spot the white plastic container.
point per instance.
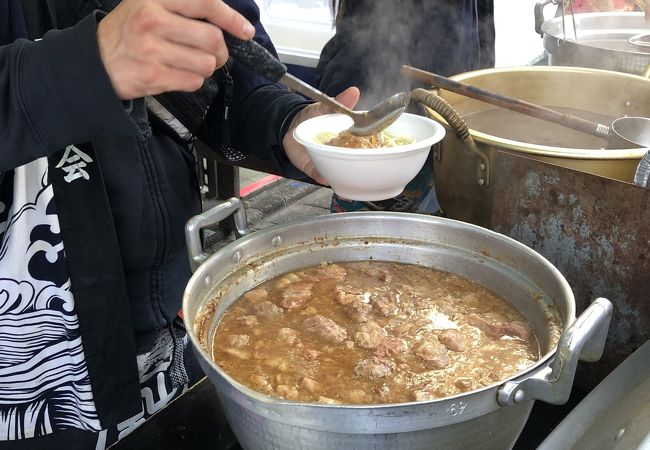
(369, 174)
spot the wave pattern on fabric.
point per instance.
(44, 381)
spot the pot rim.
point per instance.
(545, 150)
(205, 268)
(552, 42)
(625, 16)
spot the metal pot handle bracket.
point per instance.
(539, 14)
(208, 218)
(584, 340)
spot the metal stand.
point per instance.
(219, 182)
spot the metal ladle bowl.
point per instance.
(630, 131)
(365, 123)
(636, 131)
(380, 116)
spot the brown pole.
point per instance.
(520, 106)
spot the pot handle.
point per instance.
(646, 71)
(584, 340)
(539, 14)
(209, 218)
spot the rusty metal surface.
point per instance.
(595, 230)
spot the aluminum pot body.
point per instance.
(474, 420)
(602, 41)
(459, 174)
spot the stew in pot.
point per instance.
(371, 332)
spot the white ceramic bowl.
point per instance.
(369, 174)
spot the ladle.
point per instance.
(625, 132)
(366, 123)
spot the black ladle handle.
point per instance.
(256, 57)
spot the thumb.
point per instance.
(349, 97)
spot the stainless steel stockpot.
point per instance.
(488, 418)
(615, 41)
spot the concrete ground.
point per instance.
(284, 201)
(281, 201)
(248, 176)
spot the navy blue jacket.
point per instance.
(12, 22)
(56, 92)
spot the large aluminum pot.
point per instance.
(461, 175)
(609, 40)
(490, 418)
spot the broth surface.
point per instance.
(371, 332)
(508, 124)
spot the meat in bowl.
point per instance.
(347, 140)
(371, 332)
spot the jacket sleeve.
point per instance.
(259, 113)
(55, 92)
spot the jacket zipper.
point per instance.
(227, 100)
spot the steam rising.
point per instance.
(376, 37)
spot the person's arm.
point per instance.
(262, 115)
(55, 92)
(69, 87)
(260, 112)
(262, 119)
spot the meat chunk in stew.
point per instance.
(286, 280)
(497, 329)
(358, 311)
(385, 303)
(347, 294)
(433, 353)
(267, 310)
(295, 295)
(333, 271)
(391, 347)
(370, 335)
(490, 327)
(238, 353)
(454, 340)
(374, 367)
(518, 328)
(262, 384)
(287, 336)
(288, 392)
(256, 295)
(309, 385)
(326, 328)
